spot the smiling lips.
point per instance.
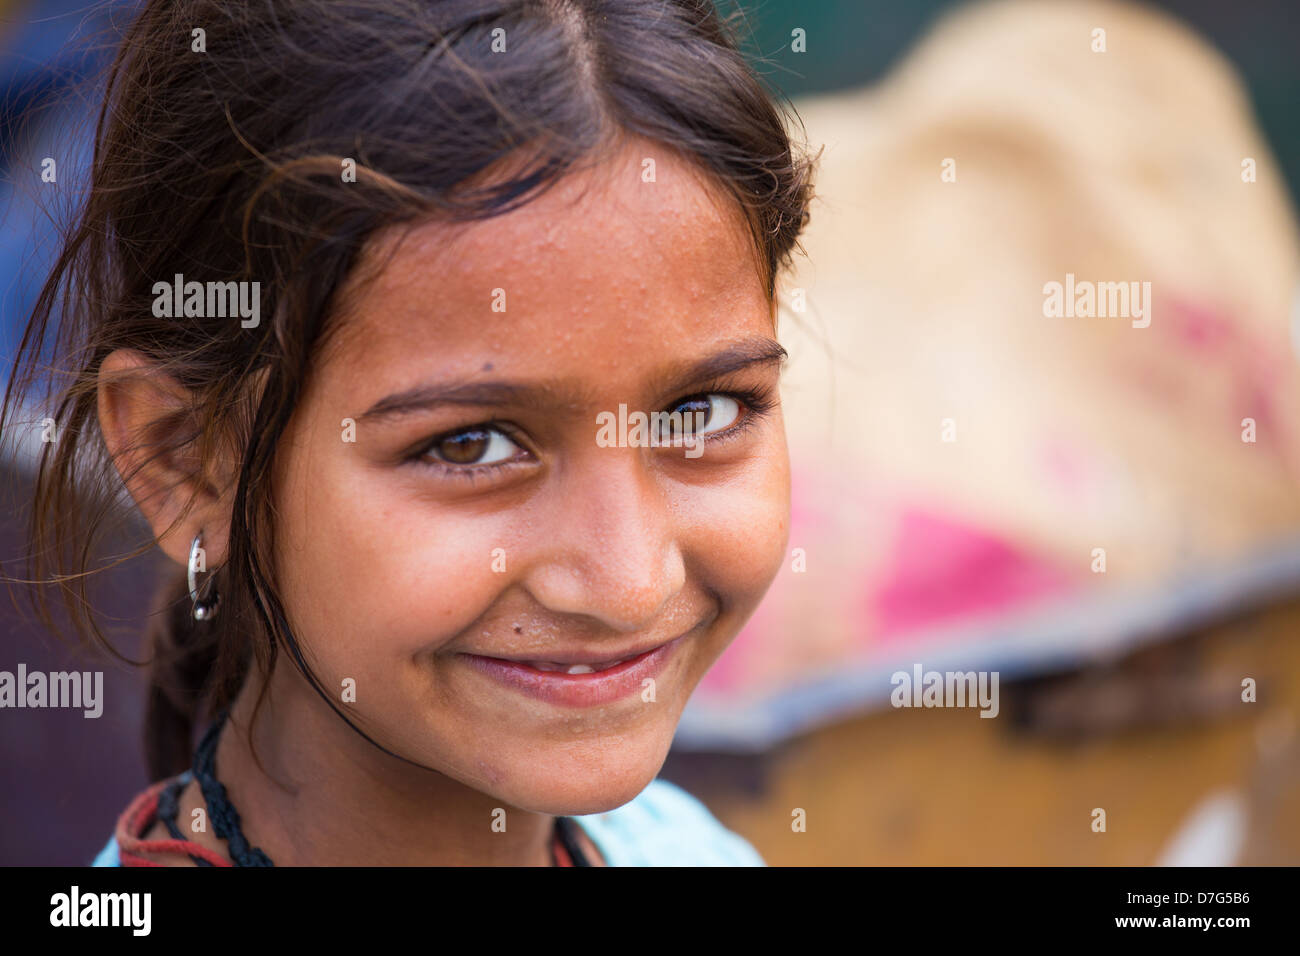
(575, 668)
(578, 684)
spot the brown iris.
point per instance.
(464, 448)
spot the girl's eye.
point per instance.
(473, 446)
(704, 414)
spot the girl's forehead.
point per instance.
(641, 209)
(606, 257)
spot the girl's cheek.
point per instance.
(370, 564)
(740, 529)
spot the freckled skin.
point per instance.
(386, 565)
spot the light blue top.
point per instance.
(662, 826)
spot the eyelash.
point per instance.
(757, 404)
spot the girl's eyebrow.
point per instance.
(755, 351)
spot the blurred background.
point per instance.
(1104, 514)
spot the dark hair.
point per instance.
(227, 163)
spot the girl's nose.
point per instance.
(611, 549)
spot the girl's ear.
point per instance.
(150, 429)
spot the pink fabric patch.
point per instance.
(945, 570)
(1200, 327)
(937, 571)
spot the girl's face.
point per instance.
(458, 535)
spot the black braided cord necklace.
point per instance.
(225, 818)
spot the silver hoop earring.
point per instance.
(205, 604)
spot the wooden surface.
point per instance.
(1147, 739)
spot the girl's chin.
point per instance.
(564, 799)
(577, 790)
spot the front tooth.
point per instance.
(580, 669)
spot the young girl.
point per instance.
(369, 306)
